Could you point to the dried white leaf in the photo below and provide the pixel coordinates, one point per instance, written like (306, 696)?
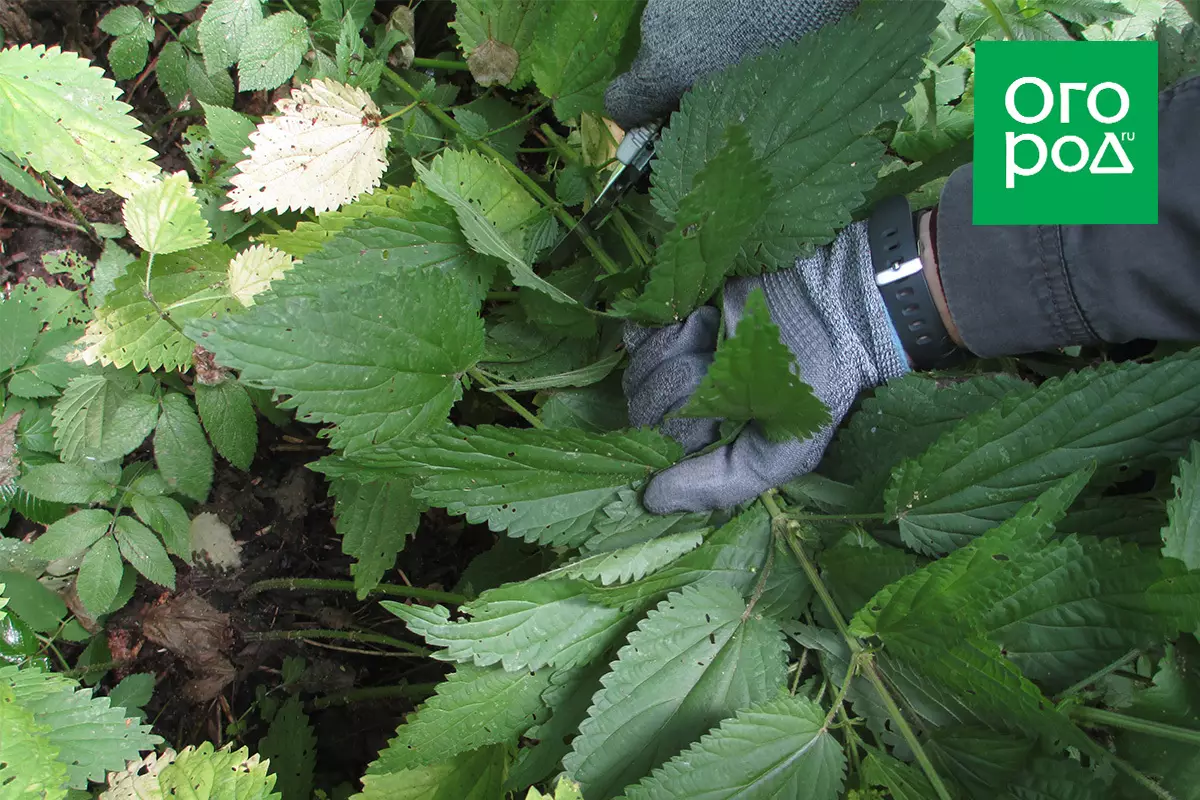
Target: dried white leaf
(251, 271)
(324, 148)
(212, 540)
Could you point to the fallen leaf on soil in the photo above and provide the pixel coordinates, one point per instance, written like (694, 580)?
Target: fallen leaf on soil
(212, 540)
(191, 629)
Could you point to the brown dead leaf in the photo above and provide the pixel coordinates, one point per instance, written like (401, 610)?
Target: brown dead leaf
(195, 632)
(10, 465)
(493, 62)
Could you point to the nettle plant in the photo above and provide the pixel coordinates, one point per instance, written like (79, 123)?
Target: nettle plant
(971, 598)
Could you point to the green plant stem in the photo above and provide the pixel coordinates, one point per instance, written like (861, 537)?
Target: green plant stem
(400, 113)
(519, 120)
(440, 63)
(786, 528)
(803, 517)
(1098, 674)
(103, 666)
(528, 183)
(405, 690)
(322, 585)
(997, 15)
(507, 399)
(61, 196)
(344, 636)
(1098, 716)
(149, 295)
(1098, 753)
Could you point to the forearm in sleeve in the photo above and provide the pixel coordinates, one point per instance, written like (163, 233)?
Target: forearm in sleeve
(1020, 289)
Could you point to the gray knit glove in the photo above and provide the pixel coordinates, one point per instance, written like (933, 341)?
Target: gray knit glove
(830, 315)
(683, 40)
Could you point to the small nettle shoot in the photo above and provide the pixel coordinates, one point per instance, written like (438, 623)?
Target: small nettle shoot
(324, 148)
(251, 271)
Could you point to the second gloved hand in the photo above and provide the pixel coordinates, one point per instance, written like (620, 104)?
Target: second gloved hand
(830, 316)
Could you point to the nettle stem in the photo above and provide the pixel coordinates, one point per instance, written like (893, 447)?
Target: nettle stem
(336, 635)
(322, 585)
(1111, 719)
(149, 295)
(440, 63)
(859, 653)
(61, 196)
(530, 185)
(508, 400)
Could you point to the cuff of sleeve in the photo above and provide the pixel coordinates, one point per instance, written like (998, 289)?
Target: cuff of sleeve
(1007, 287)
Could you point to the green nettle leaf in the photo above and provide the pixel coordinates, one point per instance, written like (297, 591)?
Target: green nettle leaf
(780, 748)
(99, 577)
(402, 345)
(474, 775)
(583, 49)
(187, 286)
(229, 419)
(902, 781)
(121, 20)
(753, 377)
(392, 202)
(694, 661)
(901, 420)
(127, 55)
(951, 596)
(809, 108)
(73, 534)
(200, 772)
(374, 521)
(180, 449)
(520, 625)
(143, 550)
(215, 88)
(12, 172)
(271, 51)
(164, 217)
(472, 708)
(730, 195)
(224, 28)
(855, 573)
(19, 329)
(980, 472)
(91, 735)
(168, 518)
(101, 417)
(291, 747)
(734, 555)
(229, 129)
(503, 23)
(71, 483)
(630, 563)
(493, 210)
(624, 523)
(1181, 536)
(171, 72)
(62, 116)
(538, 485)
(426, 238)
(31, 765)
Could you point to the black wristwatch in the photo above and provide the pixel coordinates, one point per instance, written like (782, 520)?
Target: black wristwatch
(900, 276)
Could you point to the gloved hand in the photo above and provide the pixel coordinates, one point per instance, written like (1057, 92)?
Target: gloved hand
(831, 316)
(683, 40)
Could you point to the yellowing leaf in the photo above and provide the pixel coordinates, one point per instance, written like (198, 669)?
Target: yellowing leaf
(324, 148)
(251, 271)
(164, 217)
(62, 115)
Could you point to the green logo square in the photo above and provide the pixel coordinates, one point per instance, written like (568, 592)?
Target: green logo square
(1066, 133)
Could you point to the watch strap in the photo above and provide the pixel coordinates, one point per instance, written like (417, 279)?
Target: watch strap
(900, 276)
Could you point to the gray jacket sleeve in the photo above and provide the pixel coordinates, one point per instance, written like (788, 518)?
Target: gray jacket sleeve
(1021, 289)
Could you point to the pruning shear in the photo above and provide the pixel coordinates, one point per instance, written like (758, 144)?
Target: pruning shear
(634, 153)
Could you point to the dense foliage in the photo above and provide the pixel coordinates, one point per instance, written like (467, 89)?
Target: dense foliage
(987, 590)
